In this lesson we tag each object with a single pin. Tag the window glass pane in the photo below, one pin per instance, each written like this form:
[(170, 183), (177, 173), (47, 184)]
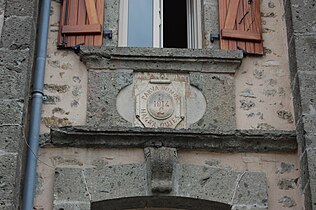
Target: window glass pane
[(140, 23)]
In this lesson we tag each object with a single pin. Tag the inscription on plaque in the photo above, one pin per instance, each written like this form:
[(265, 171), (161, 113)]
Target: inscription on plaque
[(159, 105)]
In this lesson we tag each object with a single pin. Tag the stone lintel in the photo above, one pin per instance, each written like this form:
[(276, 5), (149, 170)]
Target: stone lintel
[(167, 59), (160, 164), (230, 141)]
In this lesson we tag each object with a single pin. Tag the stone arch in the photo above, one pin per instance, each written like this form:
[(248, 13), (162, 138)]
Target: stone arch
[(174, 202)]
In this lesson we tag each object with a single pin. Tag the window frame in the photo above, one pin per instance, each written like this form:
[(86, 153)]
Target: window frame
[(194, 20)]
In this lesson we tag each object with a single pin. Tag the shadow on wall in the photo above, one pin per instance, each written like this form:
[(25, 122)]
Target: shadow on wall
[(158, 202)]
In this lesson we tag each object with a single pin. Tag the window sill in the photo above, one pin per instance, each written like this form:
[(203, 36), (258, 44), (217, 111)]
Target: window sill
[(161, 59)]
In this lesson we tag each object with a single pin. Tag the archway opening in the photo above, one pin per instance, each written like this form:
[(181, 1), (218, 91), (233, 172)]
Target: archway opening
[(158, 203)]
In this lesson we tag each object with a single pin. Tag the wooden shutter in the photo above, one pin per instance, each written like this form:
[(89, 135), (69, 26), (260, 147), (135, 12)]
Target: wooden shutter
[(81, 23), (240, 25)]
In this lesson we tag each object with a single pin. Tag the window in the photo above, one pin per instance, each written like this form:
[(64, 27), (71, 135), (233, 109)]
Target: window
[(160, 23)]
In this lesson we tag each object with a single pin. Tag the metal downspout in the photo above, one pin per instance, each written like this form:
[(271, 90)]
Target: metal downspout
[(36, 107)]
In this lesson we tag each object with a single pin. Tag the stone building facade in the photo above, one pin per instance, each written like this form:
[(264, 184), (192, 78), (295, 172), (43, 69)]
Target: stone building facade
[(237, 132)]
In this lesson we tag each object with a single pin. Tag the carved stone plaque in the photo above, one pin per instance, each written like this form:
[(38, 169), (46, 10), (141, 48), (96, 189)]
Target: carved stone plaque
[(160, 102)]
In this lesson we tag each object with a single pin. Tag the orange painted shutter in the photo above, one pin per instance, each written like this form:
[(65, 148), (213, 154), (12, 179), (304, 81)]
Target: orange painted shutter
[(81, 23), (240, 25)]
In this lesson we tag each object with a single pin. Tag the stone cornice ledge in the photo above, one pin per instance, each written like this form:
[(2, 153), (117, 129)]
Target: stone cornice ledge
[(231, 141), (161, 59)]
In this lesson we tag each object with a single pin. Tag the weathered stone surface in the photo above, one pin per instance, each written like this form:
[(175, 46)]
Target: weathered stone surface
[(234, 141), (114, 186), (112, 9), (103, 88), (8, 164), (307, 92), (160, 163), (166, 59), (12, 83), (222, 185), (70, 185), (6, 205), (108, 182), (14, 60), (10, 138), (20, 8), (305, 51), (16, 33), (303, 15), (11, 112), (218, 91), (79, 205), (210, 23)]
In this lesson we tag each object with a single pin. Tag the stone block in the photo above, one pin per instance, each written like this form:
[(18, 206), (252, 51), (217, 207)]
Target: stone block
[(210, 22), (116, 181), (12, 84), (14, 60), (223, 185), (20, 8), (303, 14), (160, 167), (307, 92), (72, 206), (6, 205), (11, 112), (305, 46), (103, 88), (112, 9), (218, 90), (70, 185), (16, 33), (10, 138), (8, 167)]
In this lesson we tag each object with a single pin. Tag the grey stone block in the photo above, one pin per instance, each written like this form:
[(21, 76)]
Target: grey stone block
[(304, 16), (16, 33), (72, 206), (116, 181), (14, 60), (305, 51), (160, 164), (10, 138), (223, 185), (20, 8), (219, 93), (103, 88), (307, 92), (7, 205), (112, 20), (8, 165), (11, 112), (12, 84), (70, 185)]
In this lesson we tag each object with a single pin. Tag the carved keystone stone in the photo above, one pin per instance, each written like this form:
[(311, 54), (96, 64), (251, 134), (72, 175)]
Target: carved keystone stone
[(160, 163)]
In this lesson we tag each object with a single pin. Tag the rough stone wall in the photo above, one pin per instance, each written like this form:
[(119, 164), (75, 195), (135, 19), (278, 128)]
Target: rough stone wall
[(301, 22), (17, 29)]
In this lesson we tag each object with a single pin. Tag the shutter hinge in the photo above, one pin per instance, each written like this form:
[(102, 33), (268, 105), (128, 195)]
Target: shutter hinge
[(244, 52), (107, 33), (213, 37)]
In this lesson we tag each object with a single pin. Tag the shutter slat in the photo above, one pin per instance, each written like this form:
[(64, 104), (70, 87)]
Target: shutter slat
[(82, 29), (231, 14), (240, 26), (258, 46), (92, 12), (72, 20), (100, 11), (82, 13), (222, 7), (239, 34)]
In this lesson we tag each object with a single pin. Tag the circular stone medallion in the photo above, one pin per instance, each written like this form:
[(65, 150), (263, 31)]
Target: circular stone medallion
[(160, 105)]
